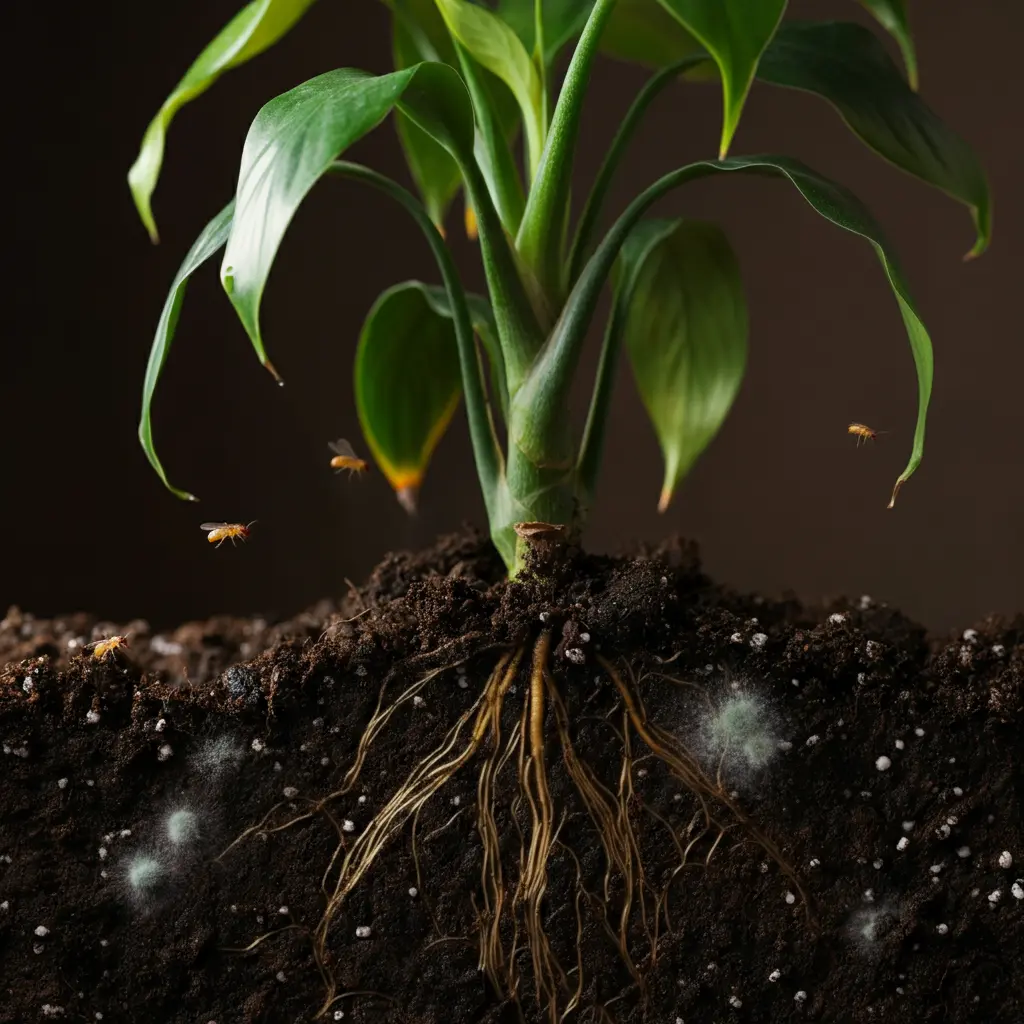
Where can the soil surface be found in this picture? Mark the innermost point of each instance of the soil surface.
(888, 768)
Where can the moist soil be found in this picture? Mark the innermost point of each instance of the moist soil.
(892, 785)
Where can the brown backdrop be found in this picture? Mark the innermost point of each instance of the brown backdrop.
(782, 499)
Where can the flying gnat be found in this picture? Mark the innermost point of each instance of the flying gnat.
(863, 433)
(104, 648)
(217, 533)
(345, 457)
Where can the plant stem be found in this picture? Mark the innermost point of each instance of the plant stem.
(486, 452)
(599, 192)
(542, 232)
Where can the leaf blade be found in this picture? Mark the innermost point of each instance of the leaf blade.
(893, 17)
(847, 65)
(686, 336)
(210, 241)
(407, 382)
(294, 140)
(735, 33)
(254, 29)
(495, 46)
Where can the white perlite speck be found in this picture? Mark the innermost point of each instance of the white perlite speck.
(1006, 859)
(1017, 889)
(280, 975)
(257, 745)
(883, 764)
(790, 898)
(836, 618)
(283, 911)
(413, 891)
(942, 929)
(908, 825)
(736, 638)
(49, 1010)
(758, 640)
(165, 752)
(418, 701)
(103, 853)
(42, 931)
(735, 1002)
(970, 635)
(348, 825)
(964, 852)
(363, 931)
(92, 717)
(800, 996)
(290, 792)
(62, 783)
(935, 869)
(899, 744)
(995, 895)
(919, 732)
(811, 740)
(903, 843)
(775, 975)
(998, 650)
(161, 724)
(5, 906)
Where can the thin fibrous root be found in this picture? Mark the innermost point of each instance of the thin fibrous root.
(687, 769)
(423, 782)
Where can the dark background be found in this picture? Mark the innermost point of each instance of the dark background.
(782, 499)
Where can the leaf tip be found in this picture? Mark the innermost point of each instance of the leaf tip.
(273, 373)
(407, 498)
(895, 491)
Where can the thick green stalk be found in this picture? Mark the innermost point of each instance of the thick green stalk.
(486, 452)
(599, 192)
(542, 233)
(538, 409)
(519, 331)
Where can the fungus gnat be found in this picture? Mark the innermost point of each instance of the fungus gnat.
(107, 646)
(345, 457)
(217, 533)
(863, 433)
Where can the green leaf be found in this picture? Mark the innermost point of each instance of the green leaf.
(254, 29)
(734, 32)
(210, 241)
(686, 335)
(892, 16)
(433, 169)
(538, 404)
(643, 32)
(495, 45)
(563, 22)
(848, 66)
(293, 142)
(407, 382)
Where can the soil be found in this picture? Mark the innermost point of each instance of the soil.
(893, 785)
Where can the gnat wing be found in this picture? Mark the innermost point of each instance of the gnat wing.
(213, 526)
(343, 448)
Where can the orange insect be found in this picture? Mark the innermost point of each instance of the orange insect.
(345, 457)
(220, 532)
(104, 648)
(863, 433)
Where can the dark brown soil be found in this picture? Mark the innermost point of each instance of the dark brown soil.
(915, 913)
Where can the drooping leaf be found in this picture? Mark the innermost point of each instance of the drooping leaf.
(433, 169)
(210, 241)
(563, 20)
(686, 335)
(254, 29)
(407, 382)
(294, 140)
(543, 395)
(892, 16)
(495, 46)
(734, 32)
(848, 66)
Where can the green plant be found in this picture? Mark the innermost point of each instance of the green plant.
(469, 77)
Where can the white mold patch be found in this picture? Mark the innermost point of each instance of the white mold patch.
(182, 827)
